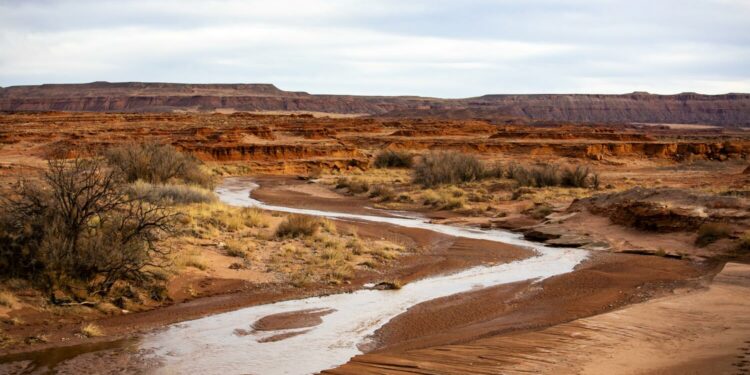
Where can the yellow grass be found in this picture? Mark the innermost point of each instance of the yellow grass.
(8, 300)
(92, 330)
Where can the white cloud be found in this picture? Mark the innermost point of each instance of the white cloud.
(437, 48)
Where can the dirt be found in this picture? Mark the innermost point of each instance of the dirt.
(695, 331)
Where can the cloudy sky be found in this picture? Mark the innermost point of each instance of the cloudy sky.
(422, 47)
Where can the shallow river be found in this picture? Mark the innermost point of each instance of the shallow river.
(211, 346)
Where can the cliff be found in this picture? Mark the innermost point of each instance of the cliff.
(731, 110)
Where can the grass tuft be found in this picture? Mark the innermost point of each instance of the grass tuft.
(92, 330)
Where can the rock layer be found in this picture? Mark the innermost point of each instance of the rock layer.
(724, 110)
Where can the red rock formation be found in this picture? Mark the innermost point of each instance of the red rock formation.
(725, 110)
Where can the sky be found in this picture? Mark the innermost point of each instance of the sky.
(458, 48)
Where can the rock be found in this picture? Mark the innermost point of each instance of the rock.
(544, 233)
(569, 240)
(747, 170)
(663, 209)
(729, 109)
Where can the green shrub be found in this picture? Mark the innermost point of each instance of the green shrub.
(298, 226)
(447, 168)
(393, 159)
(711, 232)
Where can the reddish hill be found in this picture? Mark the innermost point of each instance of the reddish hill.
(725, 110)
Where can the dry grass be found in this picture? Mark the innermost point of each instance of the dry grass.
(238, 249)
(445, 199)
(8, 300)
(298, 226)
(92, 330)
(185, 259)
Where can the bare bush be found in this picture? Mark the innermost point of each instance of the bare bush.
(77, 226)
(393, 159)
(157, 164)
(447, 168)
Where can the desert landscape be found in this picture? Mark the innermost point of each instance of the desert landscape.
(432, 241)
(235, 187)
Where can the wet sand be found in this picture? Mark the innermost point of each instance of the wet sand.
(692, 331)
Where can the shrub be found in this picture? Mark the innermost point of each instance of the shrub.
(170, 194)
(298, 226)
(253, 217)
(578, 177)
(393, 159)
(157, 164)
(355, 186)
(236, 248)
(383, 192)
(711, 232)
(77, 225)
(546, 175)
(447, 168)
(494, 171)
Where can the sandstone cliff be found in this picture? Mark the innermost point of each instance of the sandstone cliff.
(732, 110)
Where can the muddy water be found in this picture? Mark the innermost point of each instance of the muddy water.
(227, 344)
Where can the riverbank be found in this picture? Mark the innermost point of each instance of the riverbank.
(589, 290)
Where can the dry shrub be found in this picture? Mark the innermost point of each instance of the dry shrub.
(354, 186)
(383, 192)
(77, 226)
(157, 164)
(298, 226)
(235, 248)
(393, 159)
(170, 193)
(711, 232)
(447, 168)
(551, 175)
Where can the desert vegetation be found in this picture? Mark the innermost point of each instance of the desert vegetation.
(393, 159)
(77, 227)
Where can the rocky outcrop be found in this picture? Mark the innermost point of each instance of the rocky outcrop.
(665, 210)
(725, 110)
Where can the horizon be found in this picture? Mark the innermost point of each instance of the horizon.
(386, 48)
(373, 95)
